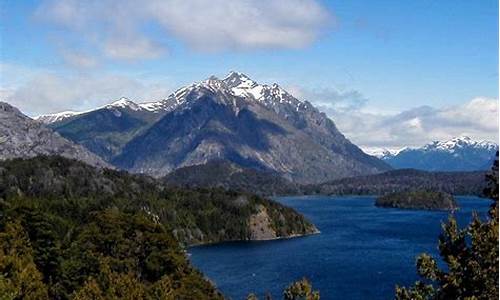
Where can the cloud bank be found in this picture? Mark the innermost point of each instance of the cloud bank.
(477, 118)
(122, 29)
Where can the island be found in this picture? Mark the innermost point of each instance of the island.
(419, 199)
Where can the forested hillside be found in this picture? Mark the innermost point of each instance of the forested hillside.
(72, 231)
(195, 216)
(224, 174)
(456, 183)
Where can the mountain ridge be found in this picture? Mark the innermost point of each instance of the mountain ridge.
(235, 118)
(456, 154)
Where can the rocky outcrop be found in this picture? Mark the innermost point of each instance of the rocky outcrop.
(259, 225)
(22, 137)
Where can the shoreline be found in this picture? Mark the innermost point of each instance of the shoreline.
(292, 236)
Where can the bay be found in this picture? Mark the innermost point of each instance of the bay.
(362, 251)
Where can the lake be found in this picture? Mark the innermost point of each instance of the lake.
(362, 251)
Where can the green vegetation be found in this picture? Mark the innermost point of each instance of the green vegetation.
(418, 200)
(229, 176)
(108, 254)
(471, 256)
(298, 290)
(195, 216)
(71, 231)
(455, 183)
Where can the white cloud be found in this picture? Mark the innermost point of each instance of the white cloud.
(78, 60)
(130, 49)
(116, 27)
(477, 118)
(49, 92)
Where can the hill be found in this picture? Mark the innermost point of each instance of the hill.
(418, 199)
(456, 183)
(195, 215)
(229, 176)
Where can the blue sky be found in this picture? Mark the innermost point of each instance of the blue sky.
(380, 59)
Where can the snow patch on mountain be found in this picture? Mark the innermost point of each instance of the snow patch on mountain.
(51, 118)
(457, 154)
(459, 143)
(382, 151)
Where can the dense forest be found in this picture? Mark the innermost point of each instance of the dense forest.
(417, 199)
(455, 183)
(229, 176)
(195, 215)
(71, 231)
(225, 175)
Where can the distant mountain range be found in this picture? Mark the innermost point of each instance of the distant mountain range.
(458, 154)
(235, 119)
(248, 125)
(23, 137)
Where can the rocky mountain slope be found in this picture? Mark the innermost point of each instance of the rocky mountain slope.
(23, 137)
(458, 154)
(105, 130)
(236, 119)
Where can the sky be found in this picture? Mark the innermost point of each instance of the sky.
(390, 73)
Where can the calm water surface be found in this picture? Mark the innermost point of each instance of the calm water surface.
(362, 251)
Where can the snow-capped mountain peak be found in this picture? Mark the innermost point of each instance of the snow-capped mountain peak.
(124, 103)
(234, 84)
(457, 154)
(239, 80)
(382, 152)
(459, 143)
(51, 118)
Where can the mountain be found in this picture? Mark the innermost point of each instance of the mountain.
(458, 154)
(404, 180)
(105, 130)
(253, 125)
(229, 176)
(23, 137)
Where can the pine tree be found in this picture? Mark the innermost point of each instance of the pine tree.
(19, 276)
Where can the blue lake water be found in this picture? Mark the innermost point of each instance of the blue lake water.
(362, 251)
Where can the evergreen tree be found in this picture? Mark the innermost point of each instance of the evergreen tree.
(19, 276)
(471, 255)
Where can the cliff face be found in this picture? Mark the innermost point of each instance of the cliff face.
(260, 225)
